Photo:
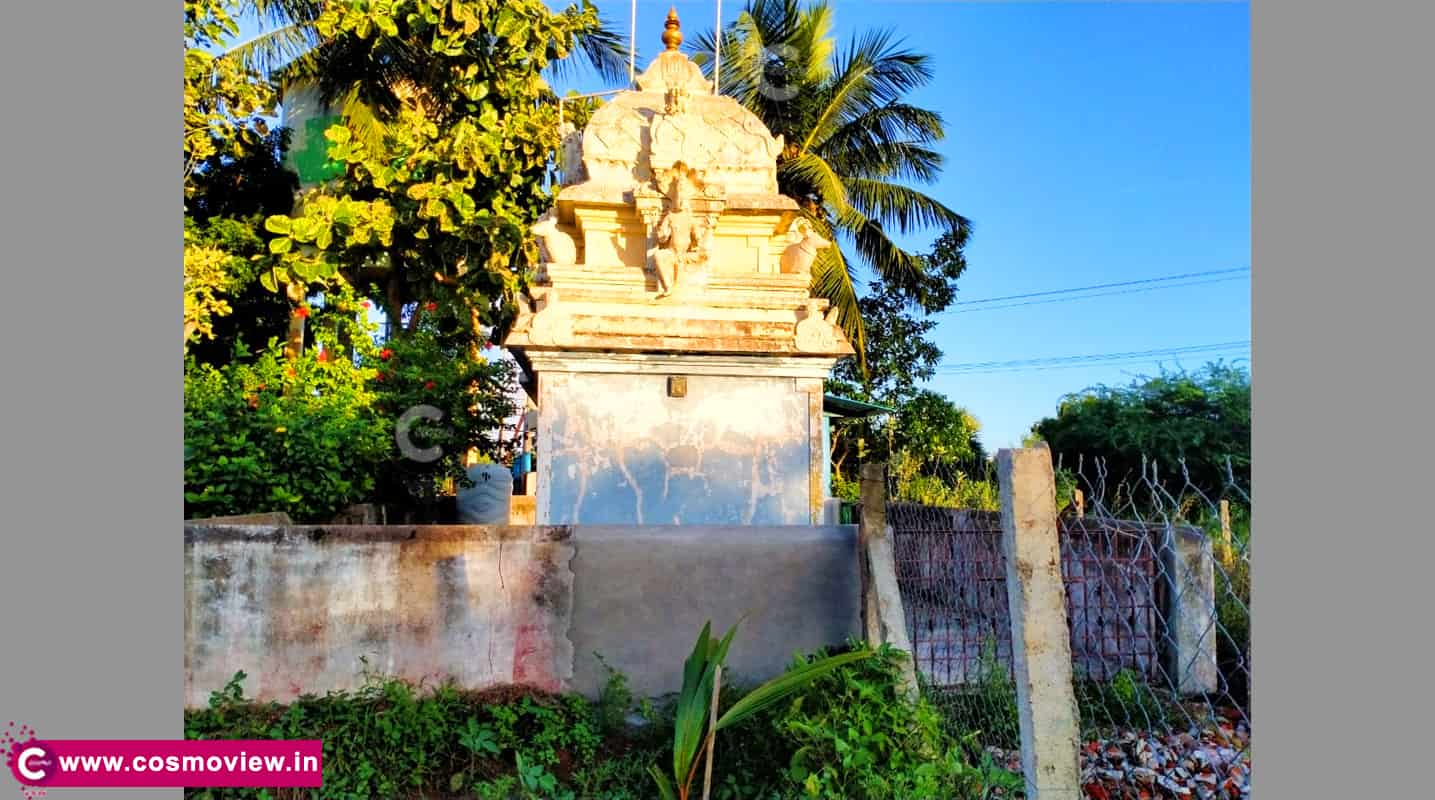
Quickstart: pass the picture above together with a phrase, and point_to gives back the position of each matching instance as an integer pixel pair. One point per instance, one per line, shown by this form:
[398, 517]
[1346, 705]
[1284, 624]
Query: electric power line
[1118, 284]
[1054, 362]
[1094, 294]
[1005, 370]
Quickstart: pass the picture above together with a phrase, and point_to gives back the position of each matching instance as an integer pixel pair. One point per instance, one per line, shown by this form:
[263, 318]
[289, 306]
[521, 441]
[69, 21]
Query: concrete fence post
[1188, 564]
[1041, 638]
[884, 621]
[872, 523]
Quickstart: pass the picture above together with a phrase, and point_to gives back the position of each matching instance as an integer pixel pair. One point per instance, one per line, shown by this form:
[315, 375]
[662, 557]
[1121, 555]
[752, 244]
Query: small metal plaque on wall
[677, 386]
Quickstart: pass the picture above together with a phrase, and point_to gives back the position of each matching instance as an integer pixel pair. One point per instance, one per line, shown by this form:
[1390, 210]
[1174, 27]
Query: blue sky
[1090, 143]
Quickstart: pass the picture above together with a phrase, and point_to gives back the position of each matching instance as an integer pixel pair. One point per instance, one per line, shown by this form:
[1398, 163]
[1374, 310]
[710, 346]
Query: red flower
[430, 306]
[367, 304]
[323, 355]
[379, 377]
[302, 312]
[385, 354]
[259, 388]
[429, 385]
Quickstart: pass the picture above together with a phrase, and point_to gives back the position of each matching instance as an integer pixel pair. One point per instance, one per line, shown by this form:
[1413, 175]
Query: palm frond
[276, 49]
[895, 71]
[895, 265]
[776, 690]
[870, 72]
[832, 280]
[887, 160]
[603, 50]
[284, 12]
[366, 126]
[897, 131]
[810, 176]
[900, 206]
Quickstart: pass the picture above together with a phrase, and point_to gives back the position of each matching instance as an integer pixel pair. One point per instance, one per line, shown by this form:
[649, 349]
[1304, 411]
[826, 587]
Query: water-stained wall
[310, 608]
[616, 448]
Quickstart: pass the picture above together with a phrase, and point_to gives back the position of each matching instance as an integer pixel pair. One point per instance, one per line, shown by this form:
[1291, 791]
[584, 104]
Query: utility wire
[1208, 353]
[1088, 358]
[1145, 281]
[1094, 294]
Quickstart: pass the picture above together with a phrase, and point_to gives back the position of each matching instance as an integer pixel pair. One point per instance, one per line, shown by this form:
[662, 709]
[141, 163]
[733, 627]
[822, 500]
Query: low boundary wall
[310, 609]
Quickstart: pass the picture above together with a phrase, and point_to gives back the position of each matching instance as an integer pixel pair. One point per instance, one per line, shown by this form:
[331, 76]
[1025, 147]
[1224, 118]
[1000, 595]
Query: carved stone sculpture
[799, 255]
[678, 235]
[571, 163]
[555, 246]
[550, 326]
[818, 331]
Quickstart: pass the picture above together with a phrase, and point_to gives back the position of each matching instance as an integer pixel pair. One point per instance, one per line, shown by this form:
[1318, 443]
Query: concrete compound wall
[308, 609]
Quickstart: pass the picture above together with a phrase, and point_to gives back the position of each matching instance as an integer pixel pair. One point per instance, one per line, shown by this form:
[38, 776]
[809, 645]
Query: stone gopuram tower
[678, 356]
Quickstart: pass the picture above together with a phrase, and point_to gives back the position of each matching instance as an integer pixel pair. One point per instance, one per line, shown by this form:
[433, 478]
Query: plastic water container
[487, 501]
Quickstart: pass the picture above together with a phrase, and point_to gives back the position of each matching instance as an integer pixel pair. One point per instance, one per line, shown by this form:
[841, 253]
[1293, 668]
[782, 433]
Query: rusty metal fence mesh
[1156, 572]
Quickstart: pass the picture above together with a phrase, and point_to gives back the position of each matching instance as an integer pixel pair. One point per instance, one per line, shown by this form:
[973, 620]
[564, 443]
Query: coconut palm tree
[852, 146]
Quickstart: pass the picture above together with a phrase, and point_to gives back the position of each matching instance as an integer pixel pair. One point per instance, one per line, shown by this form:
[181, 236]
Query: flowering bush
[349, 421]
[447, 399]
[301, 437]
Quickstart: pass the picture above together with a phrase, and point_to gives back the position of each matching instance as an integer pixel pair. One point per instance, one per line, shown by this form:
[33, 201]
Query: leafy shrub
[391, 739]
[312, 435]
[297, 436]
[855, 735]
[430, 366]
[850, 735]
[1233, 637]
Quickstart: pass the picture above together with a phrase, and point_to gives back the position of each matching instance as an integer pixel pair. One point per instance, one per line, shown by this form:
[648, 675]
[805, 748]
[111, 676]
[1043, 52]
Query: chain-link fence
[1156, 574]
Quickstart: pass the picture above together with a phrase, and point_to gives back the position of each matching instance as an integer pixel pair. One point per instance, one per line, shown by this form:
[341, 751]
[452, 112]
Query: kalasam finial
[672, 29]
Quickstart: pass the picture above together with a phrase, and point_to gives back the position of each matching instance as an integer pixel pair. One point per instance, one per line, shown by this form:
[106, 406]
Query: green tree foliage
[224, 102]
[243, 185]
[931, 444]
[253, 315]
[853, 144]
[439, 211]
[1200, 418]
[314, 434]
[229, 153]
[294, 51]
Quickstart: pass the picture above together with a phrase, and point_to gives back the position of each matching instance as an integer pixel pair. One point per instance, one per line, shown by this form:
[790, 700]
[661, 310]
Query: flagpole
[633, 43]
[717, 48]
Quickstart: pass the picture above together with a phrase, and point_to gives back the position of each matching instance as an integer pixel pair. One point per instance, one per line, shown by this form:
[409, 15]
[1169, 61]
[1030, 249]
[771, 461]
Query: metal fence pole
[1041, 637]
